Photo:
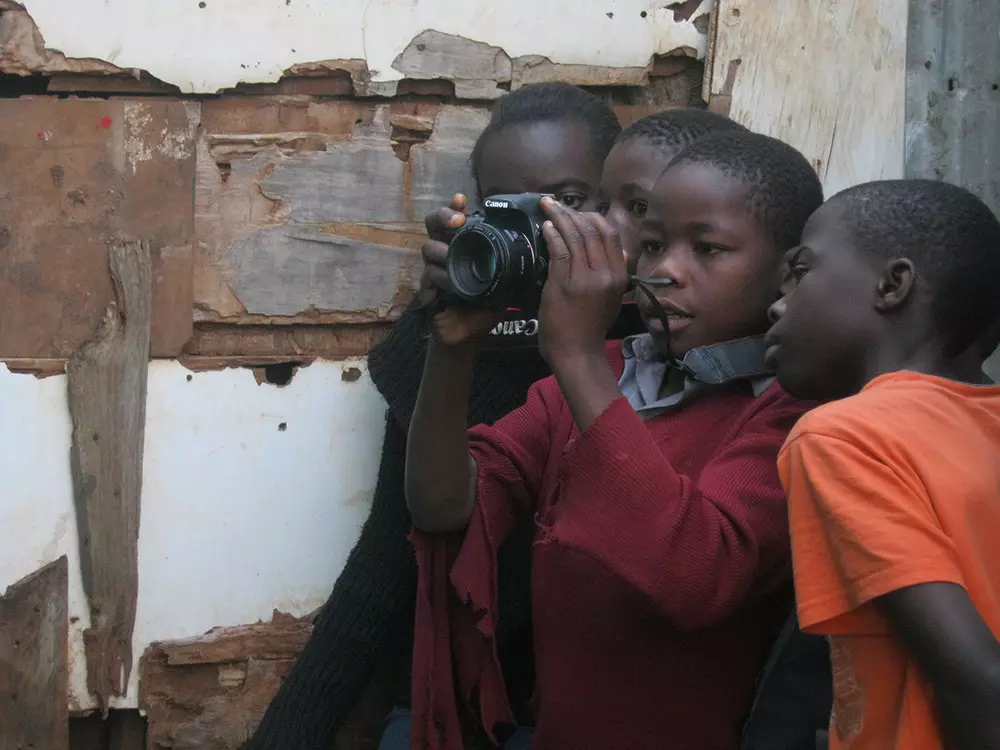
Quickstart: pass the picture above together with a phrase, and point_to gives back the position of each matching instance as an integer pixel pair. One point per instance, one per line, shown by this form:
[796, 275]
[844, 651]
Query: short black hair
[953, 240]
[783, 190]
[678, 127]
[550, 102]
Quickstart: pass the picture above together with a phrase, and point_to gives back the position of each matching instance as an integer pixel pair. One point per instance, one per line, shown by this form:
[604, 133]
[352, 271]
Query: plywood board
[312, 213]
[826, 76]
[73, 174]
[34, 661]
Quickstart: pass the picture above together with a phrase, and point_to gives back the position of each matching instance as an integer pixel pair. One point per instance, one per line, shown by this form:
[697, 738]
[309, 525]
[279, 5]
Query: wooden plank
[34, 632]
[321, 228]
[209, 692]
[835, 92]
[72, 174]
[107, 401]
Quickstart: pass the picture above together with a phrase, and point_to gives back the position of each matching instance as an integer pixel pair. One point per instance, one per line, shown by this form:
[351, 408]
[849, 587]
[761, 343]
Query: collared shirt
[652, 383]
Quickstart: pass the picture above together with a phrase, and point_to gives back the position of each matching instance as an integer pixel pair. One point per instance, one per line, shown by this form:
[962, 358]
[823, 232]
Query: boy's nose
[775, 311]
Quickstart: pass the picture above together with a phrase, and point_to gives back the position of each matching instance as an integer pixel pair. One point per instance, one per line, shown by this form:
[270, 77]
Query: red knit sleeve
[455, 654]
[699, 550]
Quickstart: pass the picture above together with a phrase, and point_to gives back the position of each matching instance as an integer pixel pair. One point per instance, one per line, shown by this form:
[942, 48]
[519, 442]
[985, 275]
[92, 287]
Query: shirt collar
[714, 365]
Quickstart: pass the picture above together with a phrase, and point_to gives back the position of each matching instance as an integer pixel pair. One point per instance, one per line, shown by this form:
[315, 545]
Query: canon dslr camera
[498, 258]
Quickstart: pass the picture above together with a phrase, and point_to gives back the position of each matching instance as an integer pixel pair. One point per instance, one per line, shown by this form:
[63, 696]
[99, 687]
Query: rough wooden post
[34, 629]
[107, 402]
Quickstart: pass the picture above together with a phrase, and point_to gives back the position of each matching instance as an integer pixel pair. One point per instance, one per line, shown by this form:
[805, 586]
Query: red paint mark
[104, 123]
[819, 165]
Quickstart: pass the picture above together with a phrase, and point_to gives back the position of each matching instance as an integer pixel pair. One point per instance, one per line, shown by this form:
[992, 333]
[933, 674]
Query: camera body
[499, 259]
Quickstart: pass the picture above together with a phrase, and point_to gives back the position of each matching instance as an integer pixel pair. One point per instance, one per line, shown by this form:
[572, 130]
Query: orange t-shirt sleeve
[861, 528]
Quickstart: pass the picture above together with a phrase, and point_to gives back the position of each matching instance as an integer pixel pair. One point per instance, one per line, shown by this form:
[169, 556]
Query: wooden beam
[34, 657]
[107, 401]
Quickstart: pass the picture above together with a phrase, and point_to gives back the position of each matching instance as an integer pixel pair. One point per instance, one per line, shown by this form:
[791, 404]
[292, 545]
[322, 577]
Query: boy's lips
[677, 317]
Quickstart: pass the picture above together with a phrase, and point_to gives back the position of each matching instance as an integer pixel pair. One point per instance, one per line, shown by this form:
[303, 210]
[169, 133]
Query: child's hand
[453, 325]
[586, 281]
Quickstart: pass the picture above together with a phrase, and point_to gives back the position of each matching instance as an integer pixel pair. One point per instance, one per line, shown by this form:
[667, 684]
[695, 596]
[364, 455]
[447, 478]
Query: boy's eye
[637, 208]
[797, 270]
[572, 200]
[705, 248]
[650, 247]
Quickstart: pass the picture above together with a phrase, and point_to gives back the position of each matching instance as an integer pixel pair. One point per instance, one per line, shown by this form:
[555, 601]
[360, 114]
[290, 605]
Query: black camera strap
[643, 285]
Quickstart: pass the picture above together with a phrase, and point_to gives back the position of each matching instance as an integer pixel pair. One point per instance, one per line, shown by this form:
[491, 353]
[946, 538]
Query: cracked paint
[255, 41]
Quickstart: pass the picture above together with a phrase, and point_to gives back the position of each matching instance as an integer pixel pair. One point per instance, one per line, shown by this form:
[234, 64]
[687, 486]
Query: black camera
[498, 258]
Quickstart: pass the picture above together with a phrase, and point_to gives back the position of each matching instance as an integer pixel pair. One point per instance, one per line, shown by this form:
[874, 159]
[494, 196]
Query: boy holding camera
[661, 570]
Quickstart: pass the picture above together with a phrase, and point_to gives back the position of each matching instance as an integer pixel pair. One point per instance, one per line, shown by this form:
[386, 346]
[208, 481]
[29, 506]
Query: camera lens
[483, 263]
[473, 261]
[488, 265]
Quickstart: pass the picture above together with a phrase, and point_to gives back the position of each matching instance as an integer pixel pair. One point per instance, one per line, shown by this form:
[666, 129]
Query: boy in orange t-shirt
[894, 490]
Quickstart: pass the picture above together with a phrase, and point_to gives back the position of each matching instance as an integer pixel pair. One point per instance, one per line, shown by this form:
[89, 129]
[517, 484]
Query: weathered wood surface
[834, 89]
[107, 401]
[209, 692]
[321, 222]
[34, 635]
[72, 174]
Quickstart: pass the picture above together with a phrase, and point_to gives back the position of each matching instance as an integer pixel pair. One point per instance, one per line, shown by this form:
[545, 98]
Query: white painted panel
[239, 516]
[204, 49]
[826, 76]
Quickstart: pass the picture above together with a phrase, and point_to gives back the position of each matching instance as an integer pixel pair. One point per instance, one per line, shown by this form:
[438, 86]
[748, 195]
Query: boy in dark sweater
[889, 308]
[660, 568]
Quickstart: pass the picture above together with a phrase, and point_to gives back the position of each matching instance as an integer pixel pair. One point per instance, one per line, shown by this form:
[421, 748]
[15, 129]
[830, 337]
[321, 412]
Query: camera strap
[643, 285]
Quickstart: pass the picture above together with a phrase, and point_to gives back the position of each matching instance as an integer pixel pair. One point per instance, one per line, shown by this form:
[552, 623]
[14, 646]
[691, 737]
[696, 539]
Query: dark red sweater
[660, 572]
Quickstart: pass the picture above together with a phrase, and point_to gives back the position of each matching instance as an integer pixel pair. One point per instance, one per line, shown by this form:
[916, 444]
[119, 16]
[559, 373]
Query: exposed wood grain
[331, 342]
[836, 89]
[321, 229]
[34, 661]
[72, 174]
[108, 84]
[107, 402]
[209, 692]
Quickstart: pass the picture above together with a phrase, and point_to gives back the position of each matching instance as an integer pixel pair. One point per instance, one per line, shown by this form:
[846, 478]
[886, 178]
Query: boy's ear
[895, 285]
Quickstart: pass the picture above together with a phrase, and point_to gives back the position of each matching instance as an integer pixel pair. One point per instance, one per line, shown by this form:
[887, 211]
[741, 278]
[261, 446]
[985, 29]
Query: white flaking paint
[238, 515]
[207, 49]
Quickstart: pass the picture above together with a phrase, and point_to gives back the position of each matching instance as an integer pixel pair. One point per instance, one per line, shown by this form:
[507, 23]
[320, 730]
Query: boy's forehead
[688, 188]
[825, 226]
[527, 157]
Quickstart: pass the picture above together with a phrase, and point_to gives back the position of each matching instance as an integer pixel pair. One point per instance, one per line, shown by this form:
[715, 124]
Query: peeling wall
[341, 123]
[252, 497]
[206, 46]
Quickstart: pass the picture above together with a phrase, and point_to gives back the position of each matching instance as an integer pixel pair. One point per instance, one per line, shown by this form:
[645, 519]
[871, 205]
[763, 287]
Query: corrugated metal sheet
[953, 98]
